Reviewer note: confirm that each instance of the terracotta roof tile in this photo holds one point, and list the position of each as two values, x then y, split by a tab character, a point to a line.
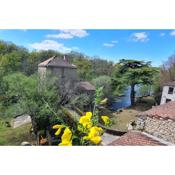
46	62
56	62
135	138
172	83
166	111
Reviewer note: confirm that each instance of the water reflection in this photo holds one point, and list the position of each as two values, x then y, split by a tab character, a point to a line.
124	101
121	102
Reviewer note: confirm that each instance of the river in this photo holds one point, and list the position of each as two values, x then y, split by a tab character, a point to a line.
121	102
124	101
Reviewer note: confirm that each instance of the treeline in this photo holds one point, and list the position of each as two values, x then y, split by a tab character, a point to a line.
166	74
18	80
15	58
100	72
168	70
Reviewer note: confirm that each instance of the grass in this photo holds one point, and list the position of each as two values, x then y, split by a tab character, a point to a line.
144	104
14	136
123	118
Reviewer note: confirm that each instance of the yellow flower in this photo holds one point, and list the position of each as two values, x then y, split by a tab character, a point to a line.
82	128
94	135
67	134
89	114
86	120
56	126
106	120
96	140
66	138
59	128
95	130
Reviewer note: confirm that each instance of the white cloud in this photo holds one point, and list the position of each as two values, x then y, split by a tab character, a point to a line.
162	34
69	34
115	41
172	33
140	36
50	45
75	48
60	35
108	45
78	32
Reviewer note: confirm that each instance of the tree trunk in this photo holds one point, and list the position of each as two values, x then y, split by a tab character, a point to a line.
132	94
34	124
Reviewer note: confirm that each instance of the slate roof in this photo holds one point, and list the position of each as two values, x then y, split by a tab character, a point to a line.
136	138
166	111
56	62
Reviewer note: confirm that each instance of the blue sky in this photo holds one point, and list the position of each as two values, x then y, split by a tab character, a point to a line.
148	45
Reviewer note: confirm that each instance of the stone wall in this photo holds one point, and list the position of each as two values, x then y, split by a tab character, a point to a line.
60	72
159	127
42	72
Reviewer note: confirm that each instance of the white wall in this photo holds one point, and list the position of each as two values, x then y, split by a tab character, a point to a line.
165	95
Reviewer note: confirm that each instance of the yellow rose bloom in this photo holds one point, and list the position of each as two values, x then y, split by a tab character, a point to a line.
106	120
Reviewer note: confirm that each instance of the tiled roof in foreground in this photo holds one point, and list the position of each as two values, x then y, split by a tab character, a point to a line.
166	111
136	138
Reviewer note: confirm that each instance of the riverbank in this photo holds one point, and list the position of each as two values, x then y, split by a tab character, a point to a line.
120	118
123	117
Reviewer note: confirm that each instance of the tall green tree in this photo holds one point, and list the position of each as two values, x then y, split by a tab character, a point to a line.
101	67
134	72
25	92
105	82
8	47
117	82
13	61
84	68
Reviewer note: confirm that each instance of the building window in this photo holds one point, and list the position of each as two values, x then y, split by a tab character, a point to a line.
170	90
167	100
